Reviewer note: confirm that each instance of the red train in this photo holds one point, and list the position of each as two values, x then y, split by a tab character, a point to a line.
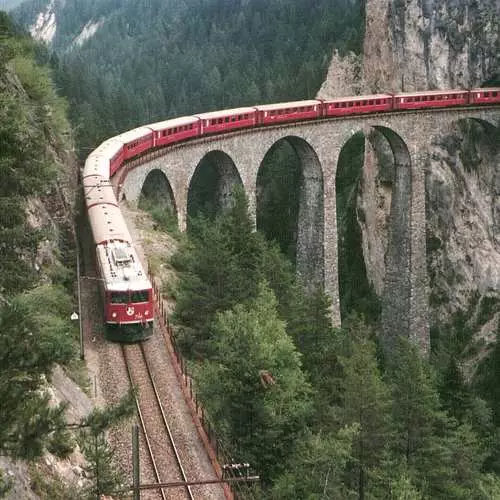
127	292
135	142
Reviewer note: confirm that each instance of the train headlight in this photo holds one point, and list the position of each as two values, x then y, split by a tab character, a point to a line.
146	313
114	315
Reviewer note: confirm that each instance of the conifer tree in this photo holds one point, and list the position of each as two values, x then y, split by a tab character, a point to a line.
103	473
442	456
254	388
366	402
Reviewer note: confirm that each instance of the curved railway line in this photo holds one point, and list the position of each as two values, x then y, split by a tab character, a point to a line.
163	453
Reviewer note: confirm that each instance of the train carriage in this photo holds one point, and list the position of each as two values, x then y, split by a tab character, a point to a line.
175	130
485	96
357	105
136	141
431	99
269	114
125	288
227	120
126	291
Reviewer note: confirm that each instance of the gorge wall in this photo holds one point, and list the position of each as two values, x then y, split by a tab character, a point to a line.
412	45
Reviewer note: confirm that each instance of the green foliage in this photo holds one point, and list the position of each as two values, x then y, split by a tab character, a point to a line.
254	387
416	405
5	482
401	488
366	402
46	487
489	487
220	267
32	338
62	443
37	82
487	379
317	467
102	470
443	457
163	217
31	116
174	58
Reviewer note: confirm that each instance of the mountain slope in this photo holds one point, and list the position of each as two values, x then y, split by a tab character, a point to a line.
151	59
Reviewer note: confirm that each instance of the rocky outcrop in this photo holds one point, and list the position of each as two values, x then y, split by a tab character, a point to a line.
463	222
343	77
421	44
427	44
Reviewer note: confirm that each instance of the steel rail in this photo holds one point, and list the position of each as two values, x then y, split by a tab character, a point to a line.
143	424
167	426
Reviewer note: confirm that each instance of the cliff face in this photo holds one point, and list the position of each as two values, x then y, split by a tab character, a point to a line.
419	45
428	44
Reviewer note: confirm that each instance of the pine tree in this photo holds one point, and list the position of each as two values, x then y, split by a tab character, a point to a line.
317	467
443	457
101	469
254	389
366	402
103	474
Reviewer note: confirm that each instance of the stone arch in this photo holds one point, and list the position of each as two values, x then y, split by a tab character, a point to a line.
355	284
309	238
157	188
211	185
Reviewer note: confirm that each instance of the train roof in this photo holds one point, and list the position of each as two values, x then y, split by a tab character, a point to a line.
174	122
132	135
292	104
97	163
486	89
432	92
108	224
110	147
357	98
121	268
98	190
225	112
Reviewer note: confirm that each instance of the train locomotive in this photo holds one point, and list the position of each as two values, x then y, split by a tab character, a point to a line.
126	290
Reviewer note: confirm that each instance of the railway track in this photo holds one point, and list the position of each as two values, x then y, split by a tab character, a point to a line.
157	435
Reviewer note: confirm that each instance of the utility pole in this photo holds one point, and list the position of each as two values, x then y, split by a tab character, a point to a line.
135	462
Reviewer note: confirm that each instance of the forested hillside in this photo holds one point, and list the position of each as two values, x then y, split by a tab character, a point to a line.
153	59
9	4
37	264
35	303
318	411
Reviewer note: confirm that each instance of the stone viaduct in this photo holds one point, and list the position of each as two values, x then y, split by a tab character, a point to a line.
318	144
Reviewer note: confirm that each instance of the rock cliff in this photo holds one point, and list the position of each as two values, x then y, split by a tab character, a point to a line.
426	44
419	45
